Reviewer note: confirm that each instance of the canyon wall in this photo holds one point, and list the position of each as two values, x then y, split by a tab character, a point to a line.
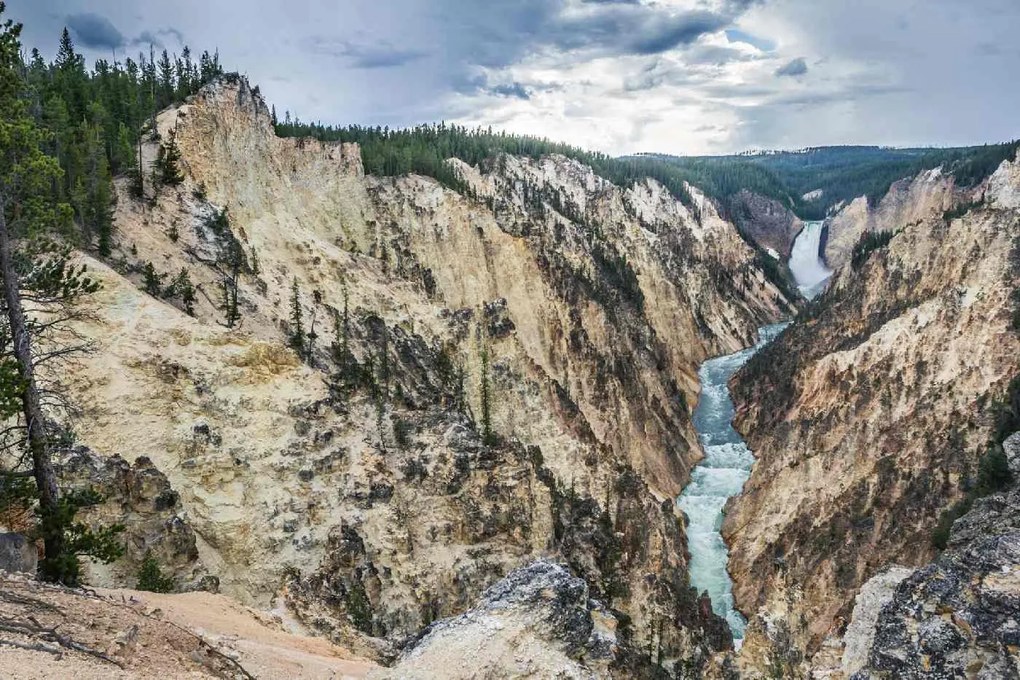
908	201
486	379
766	221
870	414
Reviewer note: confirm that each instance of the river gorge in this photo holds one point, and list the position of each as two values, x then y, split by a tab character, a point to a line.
728	461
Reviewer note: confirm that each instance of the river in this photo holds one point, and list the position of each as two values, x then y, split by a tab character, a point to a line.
727	463
720	474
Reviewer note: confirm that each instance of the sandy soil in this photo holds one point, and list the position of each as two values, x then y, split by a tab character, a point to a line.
145	635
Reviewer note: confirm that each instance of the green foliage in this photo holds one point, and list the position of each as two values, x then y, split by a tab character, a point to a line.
182	288
91	123
489	437
153	280
151	578
230	262
993	476
34	195
868	243
403	431
1007	412
296	339
80	539
960	210
17	494
425	149
168	161
359	607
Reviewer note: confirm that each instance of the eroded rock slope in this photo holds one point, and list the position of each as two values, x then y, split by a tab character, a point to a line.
486	379
869	416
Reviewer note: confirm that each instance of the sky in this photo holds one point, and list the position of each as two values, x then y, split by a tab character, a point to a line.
620	76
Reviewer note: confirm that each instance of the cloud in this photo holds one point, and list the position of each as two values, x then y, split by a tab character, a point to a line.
735	35
630	29
156	38
95	30
514	89
794	68
365	56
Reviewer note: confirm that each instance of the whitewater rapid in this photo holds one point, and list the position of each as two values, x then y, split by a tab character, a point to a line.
720	475
806	262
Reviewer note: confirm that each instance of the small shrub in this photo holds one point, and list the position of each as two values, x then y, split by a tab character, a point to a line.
151	578
868	243
403	431
993	475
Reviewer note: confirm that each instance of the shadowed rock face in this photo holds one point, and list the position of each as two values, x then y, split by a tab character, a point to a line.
960	615
766	221
139	497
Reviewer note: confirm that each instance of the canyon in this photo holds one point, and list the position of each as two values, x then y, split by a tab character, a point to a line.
872	413
545	425
363	495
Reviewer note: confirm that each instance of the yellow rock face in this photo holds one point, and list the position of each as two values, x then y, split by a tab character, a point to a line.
874	409
275	472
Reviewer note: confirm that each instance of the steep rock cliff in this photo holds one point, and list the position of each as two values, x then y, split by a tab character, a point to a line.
907	202
766	221
869	416
957	616
357	482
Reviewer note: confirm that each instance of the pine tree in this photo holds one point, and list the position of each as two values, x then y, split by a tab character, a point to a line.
153	280
166	80
168	161
488	436
151	578
186	291
42	271
297	333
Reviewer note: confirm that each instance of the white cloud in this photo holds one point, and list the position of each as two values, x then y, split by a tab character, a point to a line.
679	76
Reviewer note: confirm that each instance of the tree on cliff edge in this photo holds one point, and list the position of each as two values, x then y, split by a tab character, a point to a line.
38	273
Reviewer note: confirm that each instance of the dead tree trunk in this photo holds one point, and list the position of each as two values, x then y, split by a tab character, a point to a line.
42	465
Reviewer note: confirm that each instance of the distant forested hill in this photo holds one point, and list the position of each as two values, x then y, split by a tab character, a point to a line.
841	173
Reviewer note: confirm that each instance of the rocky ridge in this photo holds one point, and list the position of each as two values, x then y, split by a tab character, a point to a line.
908	201
955	617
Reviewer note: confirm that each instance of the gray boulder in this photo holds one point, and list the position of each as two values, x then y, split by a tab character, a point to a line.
17	554
1011	447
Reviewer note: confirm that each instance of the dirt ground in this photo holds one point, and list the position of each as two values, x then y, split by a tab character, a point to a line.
52	632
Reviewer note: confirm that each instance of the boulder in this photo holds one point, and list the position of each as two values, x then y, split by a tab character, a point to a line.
18	554
1011	447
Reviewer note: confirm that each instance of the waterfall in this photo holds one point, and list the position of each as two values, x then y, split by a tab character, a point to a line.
721	474
806	262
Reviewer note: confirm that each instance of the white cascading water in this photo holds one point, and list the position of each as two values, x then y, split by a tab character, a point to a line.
806	262
727	462
721	474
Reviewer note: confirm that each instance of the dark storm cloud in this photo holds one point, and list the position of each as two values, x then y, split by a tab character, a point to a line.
796	67
632	29
510	90
500	33
95	30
